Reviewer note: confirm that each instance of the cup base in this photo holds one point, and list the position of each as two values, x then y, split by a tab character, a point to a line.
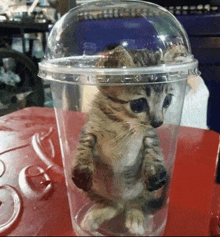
116	226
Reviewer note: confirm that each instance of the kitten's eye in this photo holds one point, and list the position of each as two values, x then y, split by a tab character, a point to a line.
138	106
167	101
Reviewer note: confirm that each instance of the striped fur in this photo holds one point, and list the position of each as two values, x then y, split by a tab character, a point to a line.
119	163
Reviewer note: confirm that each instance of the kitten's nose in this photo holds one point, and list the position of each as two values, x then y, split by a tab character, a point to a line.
156	124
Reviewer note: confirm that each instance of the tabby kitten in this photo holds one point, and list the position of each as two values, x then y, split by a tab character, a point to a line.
119	163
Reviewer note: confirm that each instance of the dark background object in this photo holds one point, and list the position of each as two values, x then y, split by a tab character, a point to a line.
180	2
184	2
203	28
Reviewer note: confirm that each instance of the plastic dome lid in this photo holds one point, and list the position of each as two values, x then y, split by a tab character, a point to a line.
104	30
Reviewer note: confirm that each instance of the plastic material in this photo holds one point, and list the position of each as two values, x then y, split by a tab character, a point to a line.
78	39
123	64
192	212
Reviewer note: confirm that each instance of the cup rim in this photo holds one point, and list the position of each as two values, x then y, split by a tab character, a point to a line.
52	66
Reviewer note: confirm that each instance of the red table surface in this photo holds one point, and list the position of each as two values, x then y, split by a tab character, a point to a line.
194	196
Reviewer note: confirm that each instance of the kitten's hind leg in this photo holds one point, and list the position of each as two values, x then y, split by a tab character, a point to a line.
135	221
97	215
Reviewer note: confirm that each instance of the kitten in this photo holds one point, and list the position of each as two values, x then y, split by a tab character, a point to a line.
119	163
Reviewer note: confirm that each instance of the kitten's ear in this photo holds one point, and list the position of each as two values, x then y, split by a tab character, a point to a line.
115	58
177	53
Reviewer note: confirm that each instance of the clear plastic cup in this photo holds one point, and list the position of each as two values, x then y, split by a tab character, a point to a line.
118	72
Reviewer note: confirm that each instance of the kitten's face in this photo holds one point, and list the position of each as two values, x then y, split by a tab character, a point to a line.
140	104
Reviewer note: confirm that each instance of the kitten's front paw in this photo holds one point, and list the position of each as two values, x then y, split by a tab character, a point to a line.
82	177
156	177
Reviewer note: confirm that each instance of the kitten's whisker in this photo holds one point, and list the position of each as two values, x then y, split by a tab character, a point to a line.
133	126
122	135
124	138
118	140
141	125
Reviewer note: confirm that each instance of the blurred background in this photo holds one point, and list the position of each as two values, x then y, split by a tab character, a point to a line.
24	28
